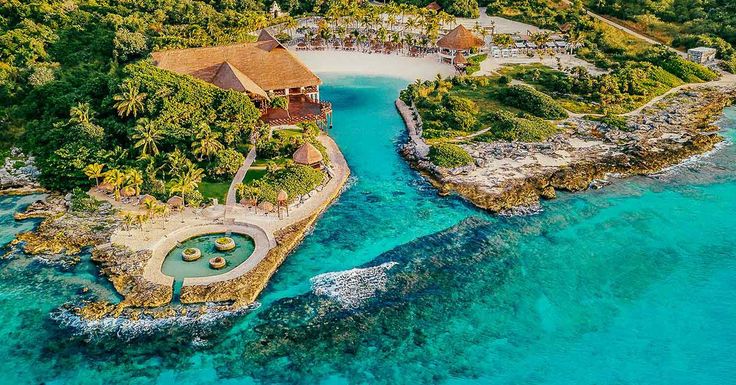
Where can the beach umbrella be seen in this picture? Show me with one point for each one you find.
(267, 207)
(282, 198)
(142, 201)
(175, 202)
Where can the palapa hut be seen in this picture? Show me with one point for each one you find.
(434, 6)
(175, 202)
(460, 61)
(308, 155)
(260, 69)
(459, 40)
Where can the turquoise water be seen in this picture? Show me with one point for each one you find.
(175, 266)
(632, 284)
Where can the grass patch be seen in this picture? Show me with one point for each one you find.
(216, 190)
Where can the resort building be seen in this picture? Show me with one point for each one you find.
(263, 70)
(702, 55)
(459, 40)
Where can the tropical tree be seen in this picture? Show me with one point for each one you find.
(187, 182)
(207, 143)
(147, 134)
(281, 102)
(94, 171)
(134, 179)
(116, 179)
(130, 100)
(128, 220)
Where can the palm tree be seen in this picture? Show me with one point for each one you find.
(187, 182)
(134, 179)
(141, 219)
(130, 100)
(116, 179)
(128, 220)
(94, 171)
(177, 160)
(80, 114)
(207, 143)
(146, 135)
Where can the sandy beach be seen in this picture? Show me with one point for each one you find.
(404, 67)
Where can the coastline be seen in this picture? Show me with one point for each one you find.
(510, 176)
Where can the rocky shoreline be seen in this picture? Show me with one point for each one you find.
(507, 176)
(19, 175)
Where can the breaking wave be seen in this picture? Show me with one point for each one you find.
(192, 321)
(350, 288)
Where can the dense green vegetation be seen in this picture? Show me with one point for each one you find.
(462, 105)
(682, 23)
(449, 155)
(77, 91)
(296, 180)
(532, 101)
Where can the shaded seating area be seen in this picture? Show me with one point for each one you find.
(308, 155)
(301, 108)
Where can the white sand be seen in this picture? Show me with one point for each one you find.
(395, 65)
(501, 25)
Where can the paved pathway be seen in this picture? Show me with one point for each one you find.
(628, 30)
(412, 128)
(239, 176)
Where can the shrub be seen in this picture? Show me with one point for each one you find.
(228, 162)
(296, 180)
(507, 126)
(449, 155)
(533, 101)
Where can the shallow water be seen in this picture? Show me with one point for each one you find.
(632, 284)
(175, 266)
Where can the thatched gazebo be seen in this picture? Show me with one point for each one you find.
(308, 155)
(434, 6)
(459, 40)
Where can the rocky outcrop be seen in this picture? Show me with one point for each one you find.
(124, 269)
(63, 231)
(19, 175)
(508, 175)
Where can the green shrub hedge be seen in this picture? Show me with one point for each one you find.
(507, 126)
(449, 155)
(533, 101)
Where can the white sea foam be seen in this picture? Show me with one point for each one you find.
(695, 159)
(128, 329)
(351, 288)
(522, 211)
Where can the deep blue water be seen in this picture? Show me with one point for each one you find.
(632, 284)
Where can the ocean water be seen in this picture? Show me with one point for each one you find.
(631, 284)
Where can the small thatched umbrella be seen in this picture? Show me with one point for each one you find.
(127, 192)
(175, 202)
(282, 201)
(267, 207)
(106, 187)
(142, 201)
(308, 155)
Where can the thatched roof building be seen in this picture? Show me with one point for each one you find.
(308, 155)
(255, 68)
(434, 6)
(460, 39)
(459, 59)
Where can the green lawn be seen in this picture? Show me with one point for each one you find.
(211, 190)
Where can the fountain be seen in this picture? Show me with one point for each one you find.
(224, 244)
(191, 254)
(217, 263)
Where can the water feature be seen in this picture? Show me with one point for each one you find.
(629, 284)
(175, 266)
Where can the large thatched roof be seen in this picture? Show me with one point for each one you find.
(460, 39)
(257, 67)
(307, 154)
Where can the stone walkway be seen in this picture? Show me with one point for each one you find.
(239, 176)
(412, 126)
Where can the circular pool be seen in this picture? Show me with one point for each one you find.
(176, 267)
